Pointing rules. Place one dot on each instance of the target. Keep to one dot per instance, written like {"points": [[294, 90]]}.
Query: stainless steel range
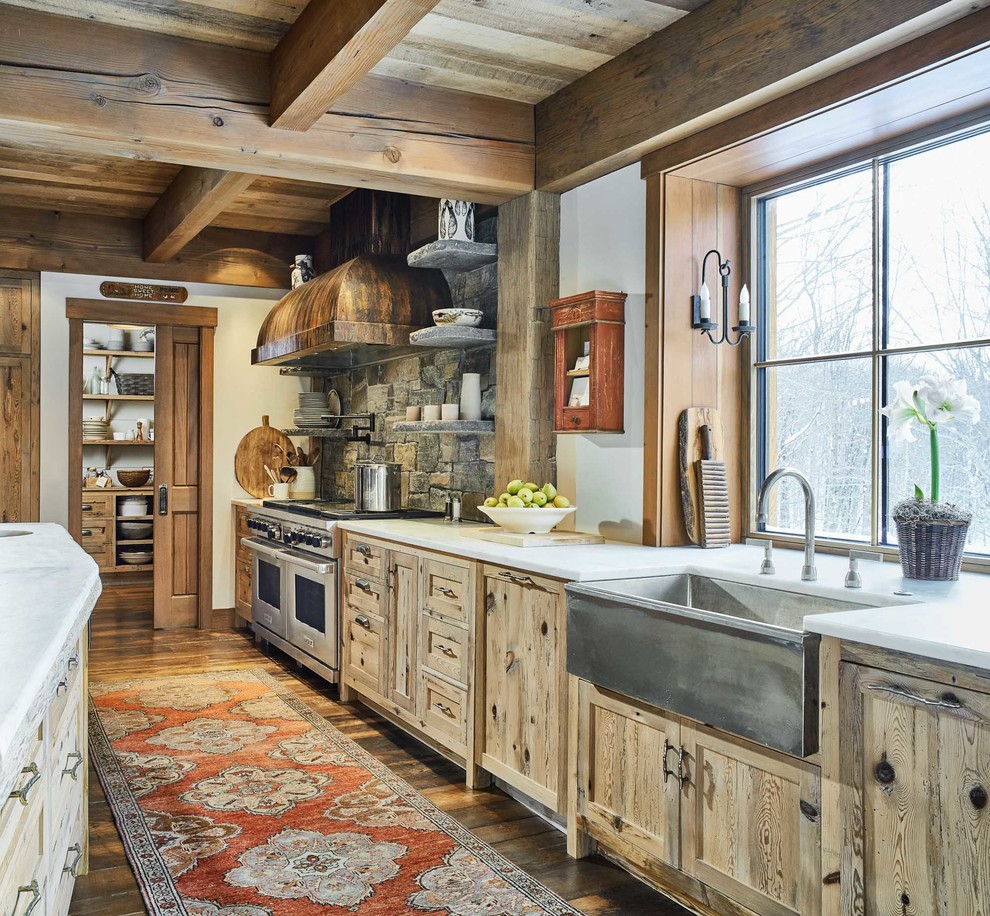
{"points": [[295, 601]]}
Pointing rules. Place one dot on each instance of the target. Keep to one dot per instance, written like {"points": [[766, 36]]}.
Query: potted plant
{"points": [[931, 535]]}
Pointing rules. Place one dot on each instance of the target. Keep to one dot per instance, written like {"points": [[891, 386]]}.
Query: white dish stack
{"points": [[314, 406]]}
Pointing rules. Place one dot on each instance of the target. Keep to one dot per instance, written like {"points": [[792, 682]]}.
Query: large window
{"points": [[867, 277]]}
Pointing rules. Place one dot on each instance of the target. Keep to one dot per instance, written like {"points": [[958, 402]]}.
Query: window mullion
{"points": [[879, 301]]}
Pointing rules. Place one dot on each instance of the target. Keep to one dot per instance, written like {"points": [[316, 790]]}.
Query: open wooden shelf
{"points": [[134, 518], [119, 397], [122, 542], [137, 354], [145, 442]]}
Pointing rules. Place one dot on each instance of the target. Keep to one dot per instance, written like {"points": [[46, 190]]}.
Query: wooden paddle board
{"points": [[688, 453], [514, 539], [254, 451]]}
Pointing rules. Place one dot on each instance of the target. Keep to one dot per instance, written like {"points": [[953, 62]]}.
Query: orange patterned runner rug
{"points": [[233, 798]]}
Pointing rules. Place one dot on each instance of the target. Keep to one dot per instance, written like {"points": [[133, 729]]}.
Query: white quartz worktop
{"points": [[949, 621], [48, 587]]}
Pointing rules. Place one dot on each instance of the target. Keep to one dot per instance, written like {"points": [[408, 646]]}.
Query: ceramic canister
{"points": [[456, 220], [471, 396]]}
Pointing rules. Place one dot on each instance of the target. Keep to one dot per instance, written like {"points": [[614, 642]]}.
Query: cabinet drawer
{"points": [[364, 649], [445, 713], [242, 587], [364, 595], [447, 590], [66, 766], [22, 875], [364, 559], [443, 649], [241, 526], [64, 690], [576, 418], [30, 782], [64, 867], [95, 535], [97, 505]]}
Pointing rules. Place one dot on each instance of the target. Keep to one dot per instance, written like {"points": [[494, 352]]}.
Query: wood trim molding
{"points": [[653, 353], [74, 440], [124, 312], [718, 61], [190, 203], [329, 48], [205, 484]]}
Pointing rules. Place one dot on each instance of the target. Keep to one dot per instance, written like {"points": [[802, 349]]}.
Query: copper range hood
{"points": [[363, 310]]}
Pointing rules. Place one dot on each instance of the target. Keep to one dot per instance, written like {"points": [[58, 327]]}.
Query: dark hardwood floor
{"points": [[125, 645]]}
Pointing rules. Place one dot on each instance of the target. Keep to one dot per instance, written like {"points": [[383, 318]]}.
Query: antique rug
{"points": [[233, 798]]}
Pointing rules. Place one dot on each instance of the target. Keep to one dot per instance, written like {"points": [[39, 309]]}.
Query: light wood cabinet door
{"points": [[916, 755], [402, 599], [622, 789], [525, 708], [751, 823]]}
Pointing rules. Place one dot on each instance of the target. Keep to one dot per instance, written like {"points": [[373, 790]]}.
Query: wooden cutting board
{"points": [[513, 539], [688, 452], [254, 451]]}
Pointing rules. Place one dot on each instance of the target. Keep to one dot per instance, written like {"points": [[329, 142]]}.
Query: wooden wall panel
{"points": [[685, 219]]}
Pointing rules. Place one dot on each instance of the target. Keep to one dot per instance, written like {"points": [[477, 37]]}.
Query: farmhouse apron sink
{"points": [[730, 655]]}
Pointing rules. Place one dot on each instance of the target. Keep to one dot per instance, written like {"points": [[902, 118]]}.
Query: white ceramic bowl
{"points": [[527, 521], [463, 318], [127, 508]]}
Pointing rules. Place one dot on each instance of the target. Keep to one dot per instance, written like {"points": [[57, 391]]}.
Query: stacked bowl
{"points": [[95, 429]]}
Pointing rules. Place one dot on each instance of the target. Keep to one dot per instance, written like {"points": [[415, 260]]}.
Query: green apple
{"points": [[515, 503], [562, 502], [491, 502], [514, 487], [550, 491], [539, 498]]}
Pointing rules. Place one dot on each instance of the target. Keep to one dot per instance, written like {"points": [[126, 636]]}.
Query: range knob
{"points": [[313, 540]]}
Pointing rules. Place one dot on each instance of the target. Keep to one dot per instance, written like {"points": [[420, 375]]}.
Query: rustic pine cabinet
{"points": [[916, 762], [402, 596], [525, 708], [719, 822]]}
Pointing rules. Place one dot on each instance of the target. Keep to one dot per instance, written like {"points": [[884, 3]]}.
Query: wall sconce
{"points": [[701, 307]]}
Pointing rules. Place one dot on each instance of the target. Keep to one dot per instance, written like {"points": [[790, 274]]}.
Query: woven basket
{"points": [[931, 550], [135, 382]]}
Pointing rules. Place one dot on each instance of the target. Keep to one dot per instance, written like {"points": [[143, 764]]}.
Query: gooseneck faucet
{"points": [[808, 571]]}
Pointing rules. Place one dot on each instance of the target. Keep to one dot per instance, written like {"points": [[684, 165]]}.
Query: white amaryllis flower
{"points": [[947, 399], [902, 413]]}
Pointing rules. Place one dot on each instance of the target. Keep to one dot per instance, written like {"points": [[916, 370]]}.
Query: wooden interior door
{"points": [[20, 396], [183, 502]]}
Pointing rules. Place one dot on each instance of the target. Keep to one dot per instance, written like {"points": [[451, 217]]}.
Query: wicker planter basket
{"points": [[135, 382], [931, 549]]}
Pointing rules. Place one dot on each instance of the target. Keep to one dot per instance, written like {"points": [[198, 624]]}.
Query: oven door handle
{"points": [[260, 547], [296, 560]]}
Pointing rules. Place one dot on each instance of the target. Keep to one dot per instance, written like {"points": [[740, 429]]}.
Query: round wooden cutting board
{"points": [[254, 451]]}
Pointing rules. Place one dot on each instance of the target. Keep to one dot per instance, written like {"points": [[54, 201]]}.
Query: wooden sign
{"points": [[146, 292]]}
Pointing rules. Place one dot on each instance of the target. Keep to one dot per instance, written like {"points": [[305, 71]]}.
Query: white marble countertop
{"points": [[940, 620], [245, 501], [48, 586]]}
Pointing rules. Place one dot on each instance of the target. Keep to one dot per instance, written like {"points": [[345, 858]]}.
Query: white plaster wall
{"points": [[242, 394], [602, 246]]}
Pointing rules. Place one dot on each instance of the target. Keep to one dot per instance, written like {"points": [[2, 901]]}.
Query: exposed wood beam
{"points": [[329, 48], [718, 61], [190, 203], [90, 87], [110, 246]]}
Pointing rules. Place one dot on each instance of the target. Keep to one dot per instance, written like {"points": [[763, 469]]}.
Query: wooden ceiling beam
{"points": [[329, 48], [720, 60], [190, 203], [106, 90]]}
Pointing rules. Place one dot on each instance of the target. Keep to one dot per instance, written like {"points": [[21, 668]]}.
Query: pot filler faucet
{"points": [[808, 571]]}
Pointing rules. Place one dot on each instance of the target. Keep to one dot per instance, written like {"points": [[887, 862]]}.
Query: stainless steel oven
{"points": [[310, 588], [267, 596]]}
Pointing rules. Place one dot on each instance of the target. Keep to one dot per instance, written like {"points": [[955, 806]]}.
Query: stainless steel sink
{"points": [[13, 534], [730, 655]]}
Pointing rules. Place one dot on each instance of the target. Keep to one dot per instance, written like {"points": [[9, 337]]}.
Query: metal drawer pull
{"points": [[667, 773], [73, 662], [87, 507], [364, 550], [73, 868], [62, 687], [363, 621], [73, 771], [31, 888], [87, 532], [447, 592], [22, 792], [364, 585], [946, 701], [678, 774], [514, 578], [446, 710], [446, 650]]}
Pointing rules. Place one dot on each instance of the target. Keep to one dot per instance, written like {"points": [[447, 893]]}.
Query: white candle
{"points": [[744, 305], [706, 303]]}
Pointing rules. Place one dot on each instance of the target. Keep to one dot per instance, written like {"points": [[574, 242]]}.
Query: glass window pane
{"points": [[819, 273], [818, 420], [939, 244], [965, 448]]}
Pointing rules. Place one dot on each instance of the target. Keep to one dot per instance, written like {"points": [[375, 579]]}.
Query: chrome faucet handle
{"points": [[766, 568], [853, 578]]}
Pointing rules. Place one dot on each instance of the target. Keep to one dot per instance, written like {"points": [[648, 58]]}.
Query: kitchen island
{"points": [[48, 587]]}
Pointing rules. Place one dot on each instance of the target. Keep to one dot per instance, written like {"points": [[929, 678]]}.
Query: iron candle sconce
{"points": [[701, 314]]}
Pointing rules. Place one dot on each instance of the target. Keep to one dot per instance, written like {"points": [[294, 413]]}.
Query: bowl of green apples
{"points": [[527, 508]]}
